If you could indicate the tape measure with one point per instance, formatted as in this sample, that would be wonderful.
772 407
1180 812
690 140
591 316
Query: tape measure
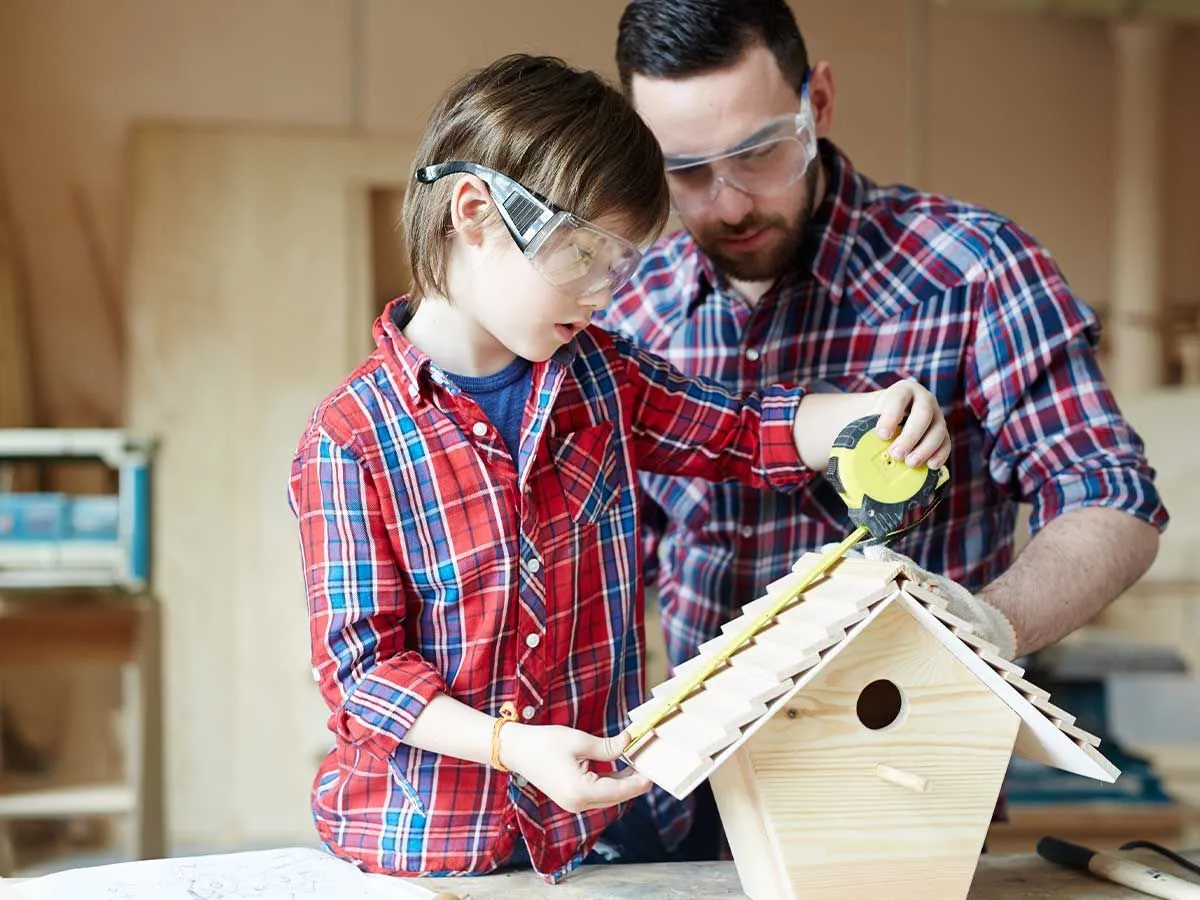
884 498
881 494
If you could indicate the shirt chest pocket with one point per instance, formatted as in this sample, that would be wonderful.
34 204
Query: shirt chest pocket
585 467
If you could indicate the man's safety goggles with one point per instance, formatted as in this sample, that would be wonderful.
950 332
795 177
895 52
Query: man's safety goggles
575 256
770 160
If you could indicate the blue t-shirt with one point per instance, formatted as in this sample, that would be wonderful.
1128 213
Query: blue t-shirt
502 398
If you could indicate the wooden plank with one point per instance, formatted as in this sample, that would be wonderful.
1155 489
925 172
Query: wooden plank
834 588
1039 738
1039 696
855 567
250 274
729 708
672 765
741 683
798 635
703 734
772 660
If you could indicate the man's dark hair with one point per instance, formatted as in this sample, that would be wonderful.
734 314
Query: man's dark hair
678 38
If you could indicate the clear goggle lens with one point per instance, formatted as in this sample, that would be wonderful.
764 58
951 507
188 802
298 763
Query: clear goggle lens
777 158
580 259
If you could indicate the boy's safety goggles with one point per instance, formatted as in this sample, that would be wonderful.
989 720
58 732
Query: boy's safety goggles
771 159
574 256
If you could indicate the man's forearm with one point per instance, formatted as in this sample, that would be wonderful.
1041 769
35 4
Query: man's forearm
1071 570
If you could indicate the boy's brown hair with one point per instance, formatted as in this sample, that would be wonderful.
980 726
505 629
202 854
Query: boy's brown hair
562 132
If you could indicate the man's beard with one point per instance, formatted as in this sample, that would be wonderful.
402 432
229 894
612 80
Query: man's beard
770 262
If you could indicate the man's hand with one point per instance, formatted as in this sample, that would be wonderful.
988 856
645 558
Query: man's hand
989 623
557 760
924 439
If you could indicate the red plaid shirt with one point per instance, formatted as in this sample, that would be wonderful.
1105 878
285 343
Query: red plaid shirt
892 283
433 563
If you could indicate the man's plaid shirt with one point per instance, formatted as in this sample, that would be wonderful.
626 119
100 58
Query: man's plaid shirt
892 283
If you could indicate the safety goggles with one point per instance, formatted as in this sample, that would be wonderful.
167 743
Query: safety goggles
574 256
770 160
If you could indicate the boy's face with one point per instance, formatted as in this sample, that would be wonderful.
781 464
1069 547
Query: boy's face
514 304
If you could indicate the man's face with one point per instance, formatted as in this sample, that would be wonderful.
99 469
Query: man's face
752 237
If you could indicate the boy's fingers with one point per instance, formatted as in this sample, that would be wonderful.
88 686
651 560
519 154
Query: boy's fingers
609 790
935 439
942 456
895 404
919 419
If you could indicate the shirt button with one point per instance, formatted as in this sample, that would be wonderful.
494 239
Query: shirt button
414 391
520 782
752 354
747 531
532 640
480 429
534 566
527 712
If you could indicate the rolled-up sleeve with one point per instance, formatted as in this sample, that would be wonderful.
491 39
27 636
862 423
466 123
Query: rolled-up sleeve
697 427
1055 435
356 602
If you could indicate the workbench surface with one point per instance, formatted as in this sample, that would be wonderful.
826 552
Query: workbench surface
999 877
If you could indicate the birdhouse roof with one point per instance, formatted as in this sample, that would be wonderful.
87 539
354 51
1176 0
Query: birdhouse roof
803 640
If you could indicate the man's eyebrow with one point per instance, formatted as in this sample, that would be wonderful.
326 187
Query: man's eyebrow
751 140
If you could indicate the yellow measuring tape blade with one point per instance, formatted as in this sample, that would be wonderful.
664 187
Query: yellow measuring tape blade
638 733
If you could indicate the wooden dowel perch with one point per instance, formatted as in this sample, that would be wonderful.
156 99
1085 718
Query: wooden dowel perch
910 780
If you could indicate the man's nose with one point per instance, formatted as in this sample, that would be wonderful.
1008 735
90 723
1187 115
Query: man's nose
730 202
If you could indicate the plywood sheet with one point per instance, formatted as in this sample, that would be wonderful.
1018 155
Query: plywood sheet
249 300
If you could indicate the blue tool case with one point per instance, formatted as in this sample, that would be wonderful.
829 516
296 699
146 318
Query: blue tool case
87 540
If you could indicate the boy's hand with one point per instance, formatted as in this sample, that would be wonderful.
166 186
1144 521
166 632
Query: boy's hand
924 439
557 760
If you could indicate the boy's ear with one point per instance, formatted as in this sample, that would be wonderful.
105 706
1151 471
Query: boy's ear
470 204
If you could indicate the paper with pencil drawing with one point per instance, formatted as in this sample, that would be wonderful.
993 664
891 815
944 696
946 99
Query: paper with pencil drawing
290 874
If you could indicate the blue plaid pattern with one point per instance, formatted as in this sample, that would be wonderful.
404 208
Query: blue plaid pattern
892 283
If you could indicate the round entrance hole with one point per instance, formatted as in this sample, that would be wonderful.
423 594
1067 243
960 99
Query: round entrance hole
880 704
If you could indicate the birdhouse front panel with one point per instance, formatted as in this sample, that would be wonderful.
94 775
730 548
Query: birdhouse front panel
882 772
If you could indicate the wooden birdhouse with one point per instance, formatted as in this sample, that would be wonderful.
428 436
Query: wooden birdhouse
857 746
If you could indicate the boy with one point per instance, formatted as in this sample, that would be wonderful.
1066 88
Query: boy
467 498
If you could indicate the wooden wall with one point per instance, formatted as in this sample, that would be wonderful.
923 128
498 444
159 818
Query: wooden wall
1008 110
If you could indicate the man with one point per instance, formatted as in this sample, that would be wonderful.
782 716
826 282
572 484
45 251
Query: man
795 267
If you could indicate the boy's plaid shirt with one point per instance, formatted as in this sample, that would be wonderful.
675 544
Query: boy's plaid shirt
433 564
895 283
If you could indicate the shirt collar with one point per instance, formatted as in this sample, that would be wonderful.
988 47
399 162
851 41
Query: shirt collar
826 252
406 358
834 226
415 367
